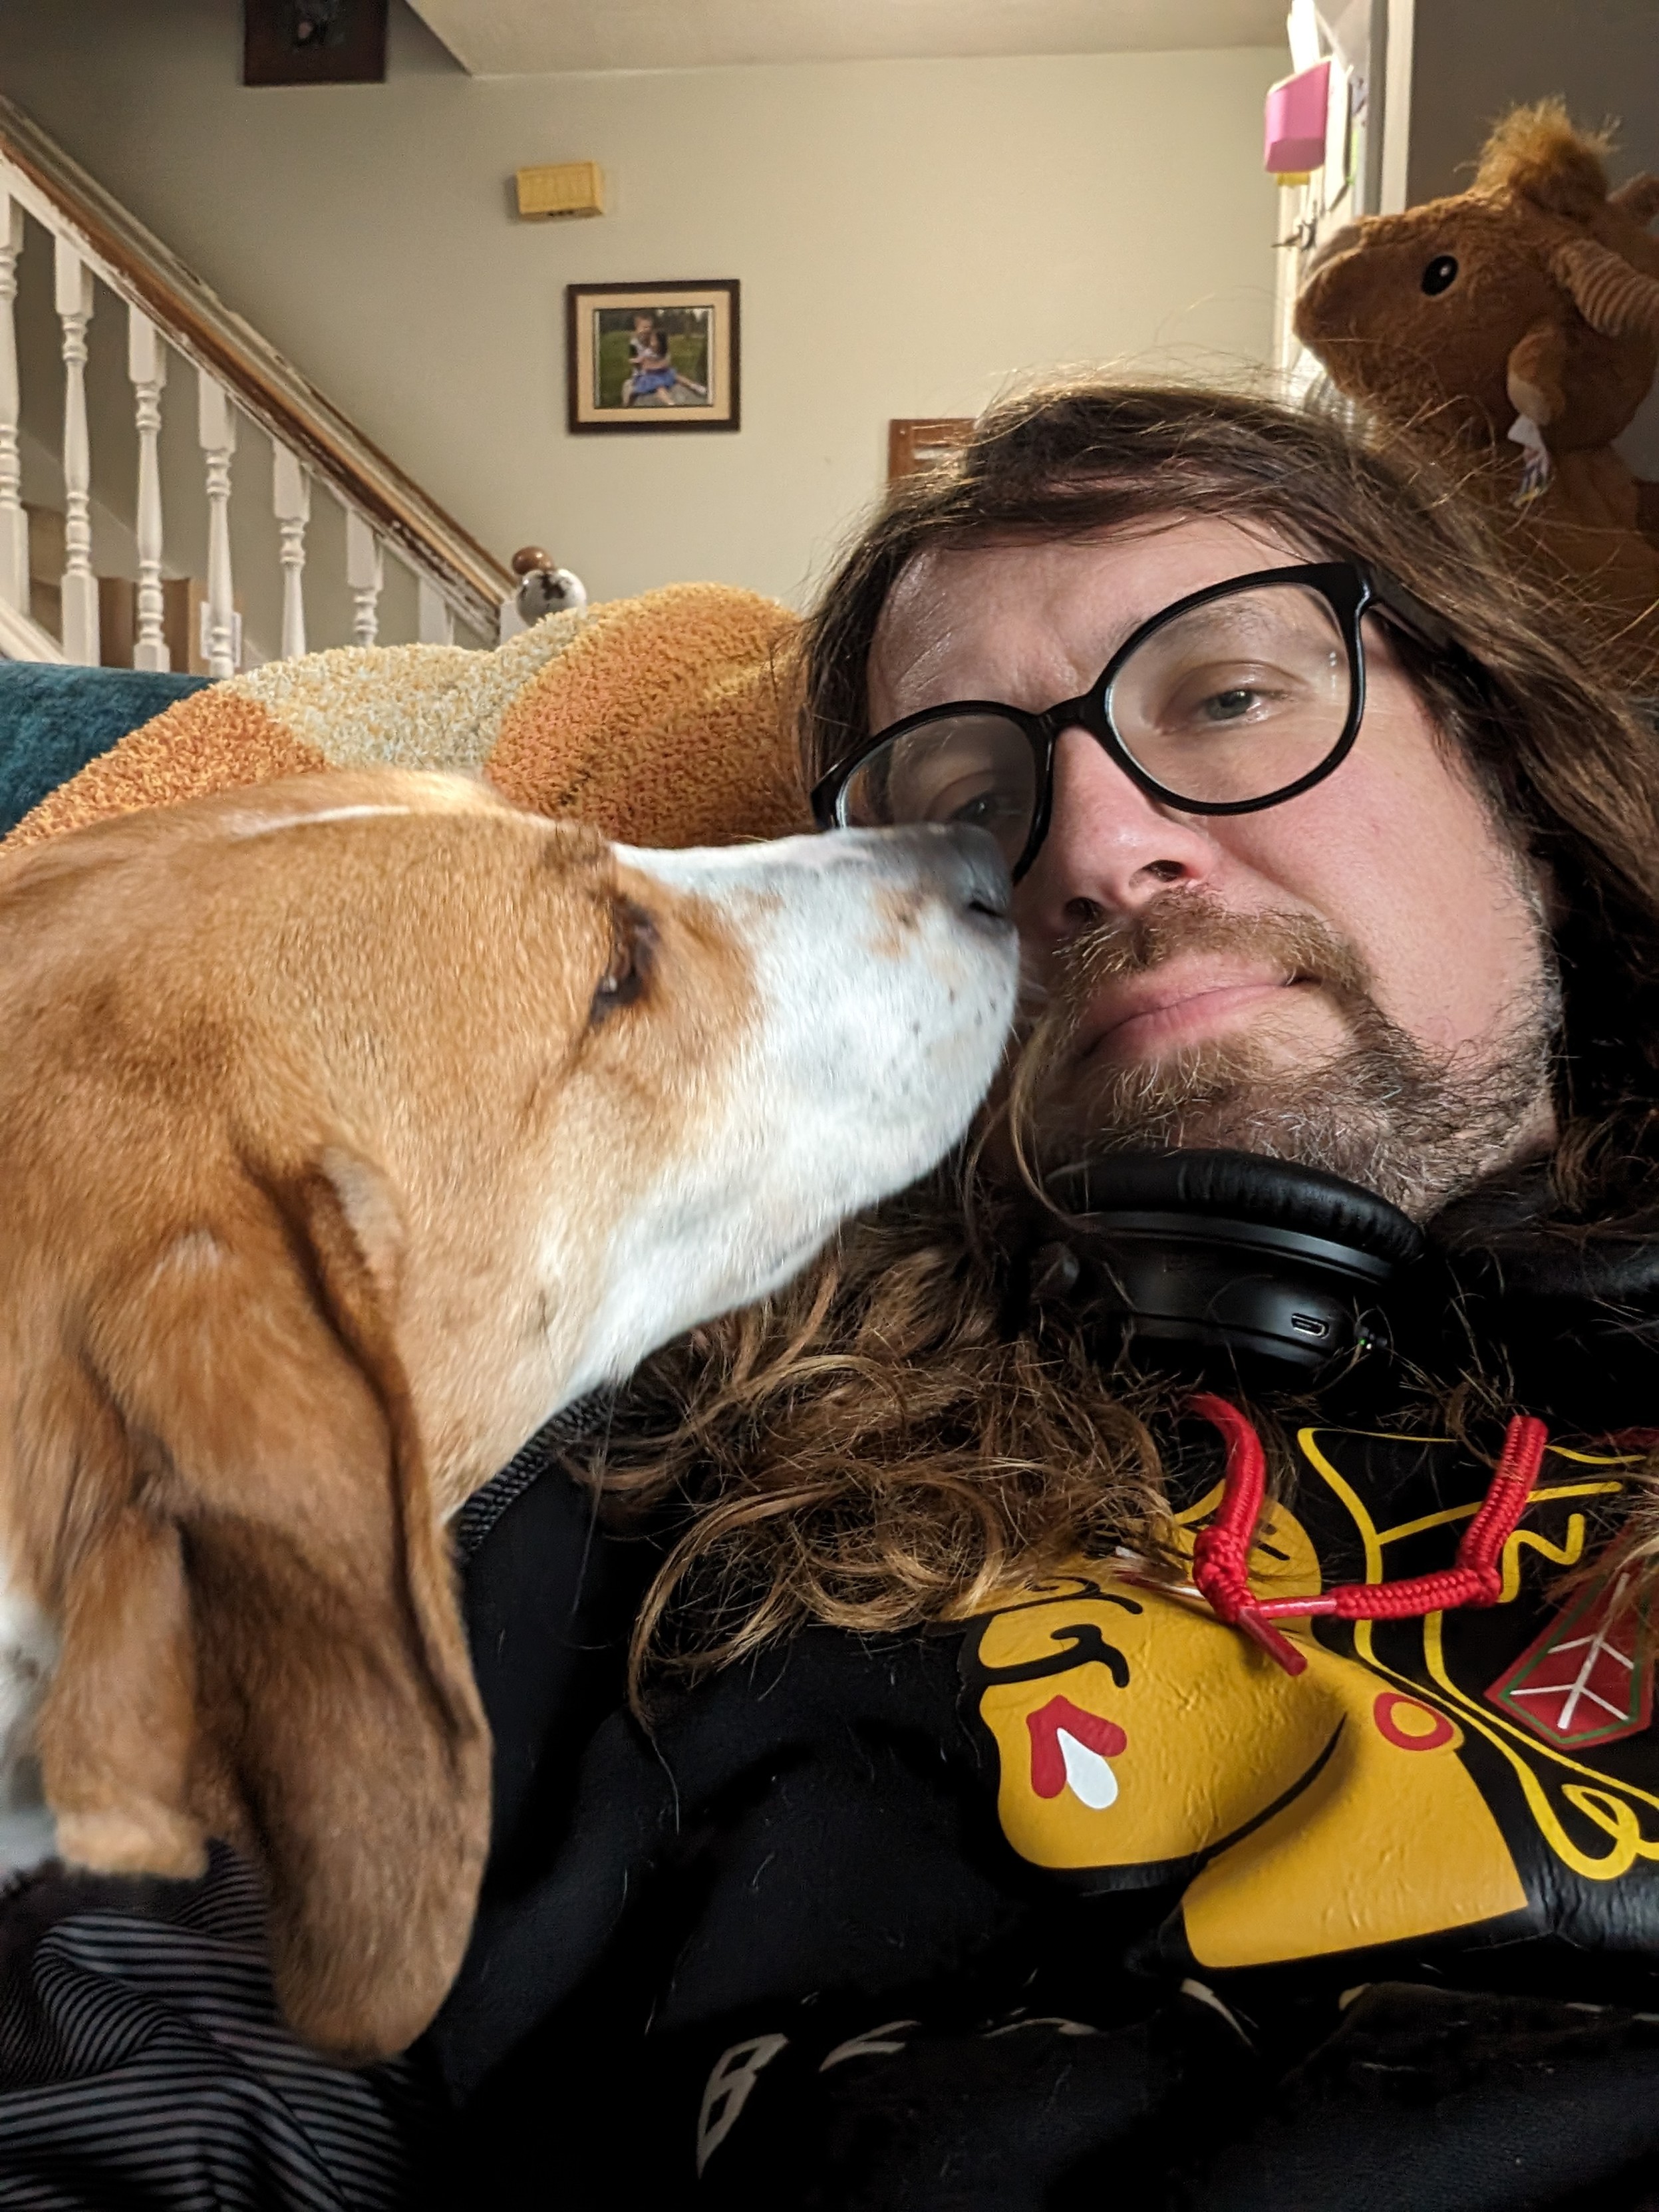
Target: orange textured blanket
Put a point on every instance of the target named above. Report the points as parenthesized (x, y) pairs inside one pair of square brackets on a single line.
[(665, 720)]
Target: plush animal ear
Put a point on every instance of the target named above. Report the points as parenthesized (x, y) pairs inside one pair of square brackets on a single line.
[(1612, 296), (1639, 198), (278, 1571)]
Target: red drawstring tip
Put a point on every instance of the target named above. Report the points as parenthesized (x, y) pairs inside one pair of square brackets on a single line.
[(1275, 1646)]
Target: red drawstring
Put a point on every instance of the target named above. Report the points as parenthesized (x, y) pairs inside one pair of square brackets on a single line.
[(1221, 1552)]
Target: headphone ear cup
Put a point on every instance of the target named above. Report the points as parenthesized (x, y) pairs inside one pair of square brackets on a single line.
[(1245, 1187), (1199, 1256)]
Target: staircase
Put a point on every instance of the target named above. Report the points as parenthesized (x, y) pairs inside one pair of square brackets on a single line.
[(132, 537)]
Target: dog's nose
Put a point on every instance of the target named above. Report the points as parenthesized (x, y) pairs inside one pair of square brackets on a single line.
[(964, 865)]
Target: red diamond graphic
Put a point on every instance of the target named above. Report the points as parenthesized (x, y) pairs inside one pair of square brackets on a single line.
[(1587, 1676)]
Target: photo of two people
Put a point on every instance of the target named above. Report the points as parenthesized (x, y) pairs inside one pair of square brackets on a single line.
[(652, 357)]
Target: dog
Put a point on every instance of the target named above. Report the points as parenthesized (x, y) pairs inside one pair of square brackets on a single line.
[(350, 1126)]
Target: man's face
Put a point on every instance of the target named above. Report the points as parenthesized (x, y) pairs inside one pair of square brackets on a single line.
[(1358, 978)]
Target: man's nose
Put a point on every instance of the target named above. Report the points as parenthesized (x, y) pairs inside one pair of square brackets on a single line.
[(1110, 850)]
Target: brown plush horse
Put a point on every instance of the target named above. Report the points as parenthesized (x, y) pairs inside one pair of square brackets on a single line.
[(1516, 326)]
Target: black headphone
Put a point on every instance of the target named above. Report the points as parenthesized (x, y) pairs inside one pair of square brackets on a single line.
[(1283, 1270)]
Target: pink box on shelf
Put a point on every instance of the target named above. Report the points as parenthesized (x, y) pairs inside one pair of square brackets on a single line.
[(1296, 121)]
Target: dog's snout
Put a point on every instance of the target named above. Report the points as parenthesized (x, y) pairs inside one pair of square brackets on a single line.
[(962, 865)]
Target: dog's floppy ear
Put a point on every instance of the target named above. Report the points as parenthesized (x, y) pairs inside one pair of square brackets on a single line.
[(278, 1549)]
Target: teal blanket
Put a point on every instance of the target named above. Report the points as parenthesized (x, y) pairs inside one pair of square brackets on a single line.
[(54, 720)]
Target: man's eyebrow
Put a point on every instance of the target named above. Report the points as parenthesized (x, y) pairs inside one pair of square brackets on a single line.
[(1122, 629), (1115, 633)]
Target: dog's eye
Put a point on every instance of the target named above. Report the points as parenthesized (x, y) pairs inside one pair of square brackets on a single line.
[(633, 939), (1440, 275)]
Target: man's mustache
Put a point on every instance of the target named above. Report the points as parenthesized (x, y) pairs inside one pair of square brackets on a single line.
[(1043, 1101), (1180, 922)]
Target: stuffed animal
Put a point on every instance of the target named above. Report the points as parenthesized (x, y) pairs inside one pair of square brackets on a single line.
[(665, 719), (1514, 330)]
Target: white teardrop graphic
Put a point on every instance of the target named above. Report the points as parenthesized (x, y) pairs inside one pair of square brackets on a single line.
[(1090, 1776)]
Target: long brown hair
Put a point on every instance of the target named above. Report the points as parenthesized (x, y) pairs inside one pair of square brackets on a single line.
[(886, 1443)]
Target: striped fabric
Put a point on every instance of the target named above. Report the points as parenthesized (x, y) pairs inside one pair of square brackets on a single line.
[(143, 2062), (143, 2067)]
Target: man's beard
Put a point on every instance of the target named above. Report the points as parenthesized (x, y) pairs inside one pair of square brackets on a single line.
[(1381, 1110)]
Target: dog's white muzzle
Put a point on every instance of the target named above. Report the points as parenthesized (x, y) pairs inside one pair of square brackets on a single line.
[(886, 968)]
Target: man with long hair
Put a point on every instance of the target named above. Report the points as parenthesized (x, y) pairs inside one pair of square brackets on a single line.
[(1063, 1706), (995, 1836)]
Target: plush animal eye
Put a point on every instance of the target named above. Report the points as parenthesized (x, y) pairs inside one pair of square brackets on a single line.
[(633, 940), (1440, 275)]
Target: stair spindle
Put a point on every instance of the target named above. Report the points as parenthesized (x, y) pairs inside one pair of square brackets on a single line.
[(435, 624), (72, 284), (147, 371), (215, 428), (14, 523), (364, 574), (290, 500)]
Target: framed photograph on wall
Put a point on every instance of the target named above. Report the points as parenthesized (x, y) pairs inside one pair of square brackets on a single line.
[(916, 442), (652, 357)]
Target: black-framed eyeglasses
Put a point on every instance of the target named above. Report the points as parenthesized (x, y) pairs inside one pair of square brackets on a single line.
[(1236, 697)]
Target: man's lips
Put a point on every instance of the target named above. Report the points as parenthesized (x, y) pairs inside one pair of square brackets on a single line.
[(1175, 1005)]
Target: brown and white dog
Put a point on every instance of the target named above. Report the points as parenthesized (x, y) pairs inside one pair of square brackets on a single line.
[(348, 1128)]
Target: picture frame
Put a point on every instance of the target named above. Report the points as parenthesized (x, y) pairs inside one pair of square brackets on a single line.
[(915, 442), (653, 358)]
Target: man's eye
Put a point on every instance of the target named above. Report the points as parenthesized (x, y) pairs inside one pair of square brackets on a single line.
[(988, 810), (1206, 699), (1231, 705), (941, 791)]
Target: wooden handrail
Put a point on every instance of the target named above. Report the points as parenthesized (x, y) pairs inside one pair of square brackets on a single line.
[(135, 264)]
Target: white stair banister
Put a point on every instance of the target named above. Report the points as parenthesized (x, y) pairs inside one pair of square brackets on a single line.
[(434, 623), (290, 501), (215, 430), (73, 289), (364, 573), (14, 523), (147, 371), (106, 242)]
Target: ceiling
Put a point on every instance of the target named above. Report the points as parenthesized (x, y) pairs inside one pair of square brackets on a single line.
[(522, 38)]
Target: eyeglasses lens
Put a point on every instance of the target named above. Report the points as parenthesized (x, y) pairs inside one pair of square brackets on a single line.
[(1235, 699), (963, 768)]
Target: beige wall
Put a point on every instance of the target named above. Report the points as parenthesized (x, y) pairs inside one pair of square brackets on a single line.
[(908, 234)]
